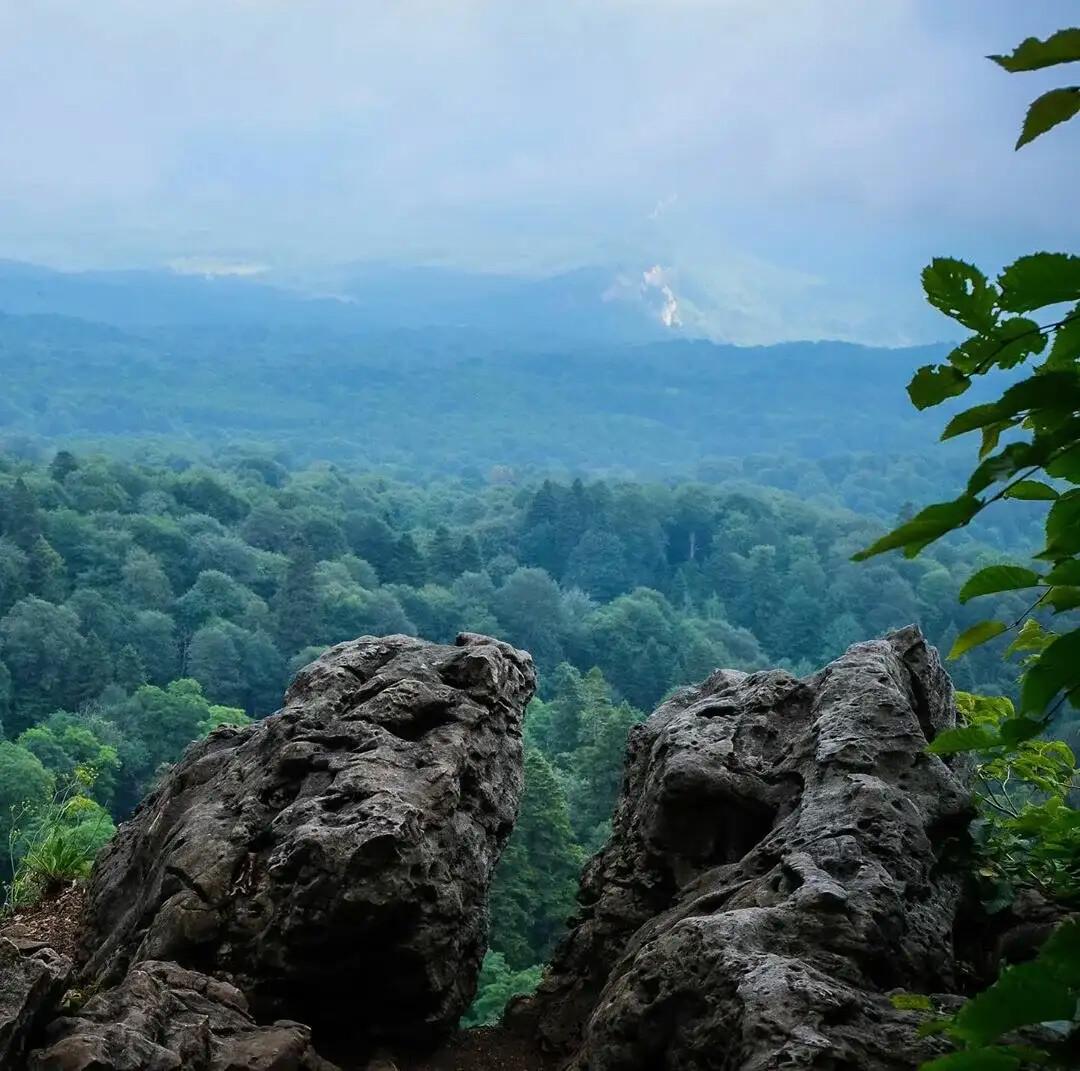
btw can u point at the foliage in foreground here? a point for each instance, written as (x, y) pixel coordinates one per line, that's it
(52, 844)
(1029, 833)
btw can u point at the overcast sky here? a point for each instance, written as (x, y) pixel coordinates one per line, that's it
(788, 165)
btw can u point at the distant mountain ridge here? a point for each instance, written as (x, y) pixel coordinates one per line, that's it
(590, 303)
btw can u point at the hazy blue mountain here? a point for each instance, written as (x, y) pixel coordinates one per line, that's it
(594, 304)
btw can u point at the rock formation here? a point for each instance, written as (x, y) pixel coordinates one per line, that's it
(163, 1018)
(32, 984)
(776, 868)
(332, 861)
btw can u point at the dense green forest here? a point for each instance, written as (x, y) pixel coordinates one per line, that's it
(141, 605)
(825, 420)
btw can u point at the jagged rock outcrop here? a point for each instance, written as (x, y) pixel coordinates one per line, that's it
(332, 861)
(32, 984)
(164, 1018)
(777, 866)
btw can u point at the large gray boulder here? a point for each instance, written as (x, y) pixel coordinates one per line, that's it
(164, 1018)
(32, 984)
(333, 861)
(777, 867)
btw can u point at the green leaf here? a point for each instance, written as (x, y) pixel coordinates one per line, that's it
(932, 384)
(1058, 391)
(990, 437)
(965, 738)
(1061, 953)
(1067, 572)
(1063, 526)
(1031, 637)
(976, 635)
(1066, 347)
(1066, 466)
(1006, 345)
(1033, 54)
(1031, 491)
(1040, 279)
(1047, 111)
(978, 416)
(1063, 599)
(1056, 669)
(998, 578)
(960, 291)
(1017, 730)
(1023, 995)
(1004, 464)
(926, 526)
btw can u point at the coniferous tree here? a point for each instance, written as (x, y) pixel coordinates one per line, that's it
(128, 670)
(297, 608)
(23, 520)
(93, 670)
(62, 465)
(534, 889)
(442, 556)
(470, 559)
(45, 571)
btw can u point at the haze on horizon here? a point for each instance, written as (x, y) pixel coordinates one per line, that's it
(786, 169)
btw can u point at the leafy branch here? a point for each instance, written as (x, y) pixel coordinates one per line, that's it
(1029, 832)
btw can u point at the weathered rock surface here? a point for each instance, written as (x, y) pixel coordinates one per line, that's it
(776, 868)
(31, 986)
(333, 861)
(164, 1018)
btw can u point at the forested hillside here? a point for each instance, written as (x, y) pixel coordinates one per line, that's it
(824, 419)
(141, 605)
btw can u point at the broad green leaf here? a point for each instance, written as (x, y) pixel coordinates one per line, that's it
(976, 635)
(1031, 637)
(1006, 345)
(1063, 526)
(1033, 54)
(1061, 953)
(1066, 347)
(1003, 465)
(961, 291)
(1024, 995)
(1031, 491)
(1017, 730)
(965, 738)
(1040, 279)
(1063, 599)
(998, 578)
(926, 526)
(1067, 572)
(990, 437)
(978, 416)
(1047, 111)
(1055, 670)
(932, 384)
(1058, 390)
(1066, 466)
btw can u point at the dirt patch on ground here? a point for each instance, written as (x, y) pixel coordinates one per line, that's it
(54, 921)
(488, 1048)
(484, 1049)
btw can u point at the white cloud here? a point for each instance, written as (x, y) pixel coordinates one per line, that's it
(830, 138)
